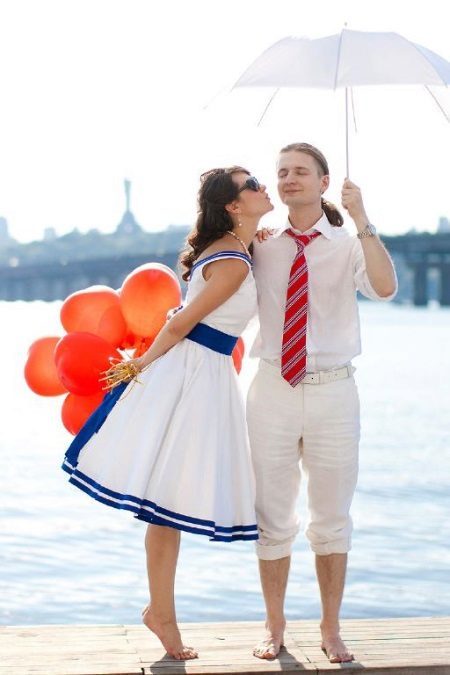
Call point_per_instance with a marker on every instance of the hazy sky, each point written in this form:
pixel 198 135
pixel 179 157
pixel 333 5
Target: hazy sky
pixel 93 91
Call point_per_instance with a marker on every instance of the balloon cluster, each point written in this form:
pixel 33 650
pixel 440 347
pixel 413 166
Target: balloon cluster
pixel 100 324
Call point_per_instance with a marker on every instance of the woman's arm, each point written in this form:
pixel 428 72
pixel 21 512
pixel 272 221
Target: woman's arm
pixel 223 279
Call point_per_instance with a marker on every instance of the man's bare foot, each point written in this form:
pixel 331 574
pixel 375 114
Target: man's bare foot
pixel 270 645
pixel 169 635
pixel 335 649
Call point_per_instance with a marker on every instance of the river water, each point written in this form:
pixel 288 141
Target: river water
pixel 67 559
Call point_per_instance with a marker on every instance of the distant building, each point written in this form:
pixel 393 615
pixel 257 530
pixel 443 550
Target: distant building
pixel 128 225
pixel 49 234
pixel 444 224
pixel 5 237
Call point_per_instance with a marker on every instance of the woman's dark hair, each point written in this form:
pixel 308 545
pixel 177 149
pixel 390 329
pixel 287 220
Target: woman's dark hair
pixel 331 211
pixel 217 189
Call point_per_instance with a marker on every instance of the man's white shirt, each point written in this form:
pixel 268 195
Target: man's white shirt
pixel 336 270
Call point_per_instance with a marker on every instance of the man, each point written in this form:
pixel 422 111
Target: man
pixel 303 407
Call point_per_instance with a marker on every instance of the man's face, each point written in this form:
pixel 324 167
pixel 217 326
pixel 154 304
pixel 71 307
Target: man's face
pixel 299 181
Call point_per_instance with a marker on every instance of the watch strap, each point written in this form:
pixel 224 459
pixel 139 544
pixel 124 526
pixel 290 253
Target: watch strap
pixel 369 231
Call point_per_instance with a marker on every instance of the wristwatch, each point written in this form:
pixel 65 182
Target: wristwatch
pixel 369 231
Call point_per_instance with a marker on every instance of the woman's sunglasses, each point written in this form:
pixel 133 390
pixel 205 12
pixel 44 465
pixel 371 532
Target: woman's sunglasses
pixel 251 183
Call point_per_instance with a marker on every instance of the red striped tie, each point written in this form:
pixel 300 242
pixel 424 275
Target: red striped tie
pixel 293 353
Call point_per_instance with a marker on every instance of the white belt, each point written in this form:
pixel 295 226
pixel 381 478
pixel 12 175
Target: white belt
pixel 324 376
pixel 319 377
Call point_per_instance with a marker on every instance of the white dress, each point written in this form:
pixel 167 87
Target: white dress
pixel 174 449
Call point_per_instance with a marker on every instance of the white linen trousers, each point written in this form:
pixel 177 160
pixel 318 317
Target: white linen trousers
pixel 310 429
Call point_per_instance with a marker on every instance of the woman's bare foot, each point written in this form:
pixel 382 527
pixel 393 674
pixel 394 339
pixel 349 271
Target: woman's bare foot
pixel 169 635
pixel 270 645
pixel 335 649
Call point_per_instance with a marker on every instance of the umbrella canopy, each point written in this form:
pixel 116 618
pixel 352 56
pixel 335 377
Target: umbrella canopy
pixel 345 60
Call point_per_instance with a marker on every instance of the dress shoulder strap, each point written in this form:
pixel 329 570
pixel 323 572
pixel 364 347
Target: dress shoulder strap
pixel 221 255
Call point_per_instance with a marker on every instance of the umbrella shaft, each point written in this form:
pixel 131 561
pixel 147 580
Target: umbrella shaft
pixel 346 134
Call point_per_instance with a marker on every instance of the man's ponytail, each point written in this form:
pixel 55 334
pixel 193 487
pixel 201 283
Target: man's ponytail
pixel 332 213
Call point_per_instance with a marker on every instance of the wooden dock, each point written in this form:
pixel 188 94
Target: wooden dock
pixel 395 646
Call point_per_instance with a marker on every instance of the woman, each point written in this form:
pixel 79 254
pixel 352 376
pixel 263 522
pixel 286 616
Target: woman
pixel 174 451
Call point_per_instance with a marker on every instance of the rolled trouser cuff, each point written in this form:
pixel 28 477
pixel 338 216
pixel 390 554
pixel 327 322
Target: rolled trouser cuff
pixel 273 551
pixel 330 547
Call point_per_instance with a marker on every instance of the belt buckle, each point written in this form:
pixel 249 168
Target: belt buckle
pixel 325 376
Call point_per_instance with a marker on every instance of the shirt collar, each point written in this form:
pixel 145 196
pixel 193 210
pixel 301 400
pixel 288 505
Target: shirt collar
pixel 323 226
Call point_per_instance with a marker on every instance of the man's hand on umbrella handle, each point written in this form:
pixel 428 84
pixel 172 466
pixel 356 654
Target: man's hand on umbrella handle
pixel 352 201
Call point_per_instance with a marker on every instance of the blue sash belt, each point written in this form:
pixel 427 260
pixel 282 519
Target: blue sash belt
pixel 212 338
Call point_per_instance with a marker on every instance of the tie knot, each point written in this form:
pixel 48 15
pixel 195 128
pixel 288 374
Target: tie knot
pixel 302 239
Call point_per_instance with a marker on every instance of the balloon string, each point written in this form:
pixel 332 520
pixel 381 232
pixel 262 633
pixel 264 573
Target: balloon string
pixel 120 373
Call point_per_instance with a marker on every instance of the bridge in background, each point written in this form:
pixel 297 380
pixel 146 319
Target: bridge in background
pixel 57 280
pixel 419 253
pixel 422 253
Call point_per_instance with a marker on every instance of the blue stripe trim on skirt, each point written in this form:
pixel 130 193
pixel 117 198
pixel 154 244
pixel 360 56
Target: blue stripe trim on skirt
pixel 94 423
pixel 150 512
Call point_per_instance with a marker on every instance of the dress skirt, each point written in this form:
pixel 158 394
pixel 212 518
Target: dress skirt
pixel 173 448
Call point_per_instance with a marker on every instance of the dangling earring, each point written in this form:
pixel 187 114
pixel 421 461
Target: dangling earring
pixel 239 223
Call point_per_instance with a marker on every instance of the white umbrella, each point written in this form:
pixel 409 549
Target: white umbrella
pixel 345 60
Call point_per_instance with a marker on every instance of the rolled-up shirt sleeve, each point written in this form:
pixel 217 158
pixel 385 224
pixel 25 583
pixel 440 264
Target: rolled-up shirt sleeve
pixel 361 277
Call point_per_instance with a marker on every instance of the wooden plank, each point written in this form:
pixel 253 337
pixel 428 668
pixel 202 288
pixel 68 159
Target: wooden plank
pixel 417 646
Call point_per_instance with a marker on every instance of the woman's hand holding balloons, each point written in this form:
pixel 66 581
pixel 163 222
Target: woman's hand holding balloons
pixel 124 371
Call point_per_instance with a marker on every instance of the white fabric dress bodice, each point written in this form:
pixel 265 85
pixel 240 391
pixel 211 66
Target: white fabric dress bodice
pixel 233 315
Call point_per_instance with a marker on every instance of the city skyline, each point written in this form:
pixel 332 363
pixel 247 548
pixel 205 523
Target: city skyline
pixel 128 224
pixel 94 91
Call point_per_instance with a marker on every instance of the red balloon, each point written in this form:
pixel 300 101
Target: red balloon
pixel 81 358
pixel 76 410
pixel 95 310
pixel 240 347
pixel 146 296
pixel 141 346
pixel 237 359
pixel 129 342
pixel 40 369
pixel 163 268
